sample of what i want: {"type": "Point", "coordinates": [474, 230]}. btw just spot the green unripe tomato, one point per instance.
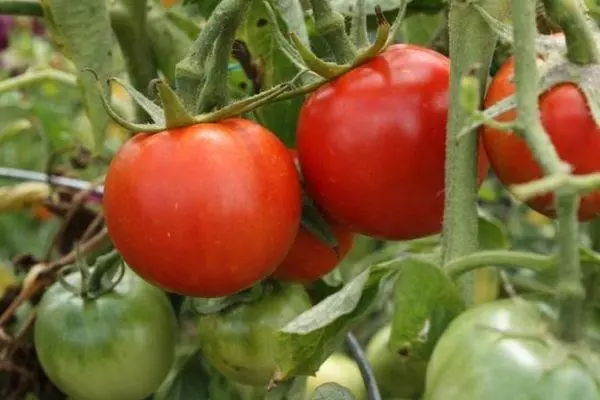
{"type": "Point", "coordinates": [118, 346]}
{"type": "Point", "coordinates": [397, 376]}
{"type": "Point", "coordinates": [241, 341]}
{"type": "Point", "coordinates": [341, 369]}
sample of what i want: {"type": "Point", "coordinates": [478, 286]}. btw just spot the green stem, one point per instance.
{"type": "Point", "coordinates": [129, 24]}
{"type": "Point", "coordinates": [472, 42]}
{"type": "Point", "coordinates": [581, 44]}
{"type": "Point", "coordinates": [190, 73]}
{"type": "Point", "coordinates": [215, 92]}
{"type": "Point", "coordinates": [359, 31]}
{"type": "Point", "coordinates": [594, 232]}
{"type": "Point", "coordinates": [104, 265]}
{"type": "Point", "coordinates": [31, 8]}
{"type": "Point", "coordinates": [516, 259]}
{"type": "Point", "coordinates": [570, 292]}
{"type": "Point", "coordinates": [330, 24]}
{"type": "Point", "coordinates": [32, 78]}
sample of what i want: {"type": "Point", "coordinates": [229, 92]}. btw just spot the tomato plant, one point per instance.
{"type": "Point", "coordinates": [371, 144]}
{"type": "Point", "coordinates": [513, 340]}
{"type": "Point", "coordinates": [119, 345]}
{"type": "Point", "coordinates": [163, 134]}
{"type": "Point", "coordinates": [241, 341]}
{"type": "Point", "coordinates": [566, 117]}
{"type": "Point", "coordinates": [228, 219]}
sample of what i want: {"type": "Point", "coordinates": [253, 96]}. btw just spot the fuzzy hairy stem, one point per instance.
{"type": "Point", "coordinates": [472, 42]}
{"type": "Point", "coordinates": [569, 15]}
{"type": "Point", "coordinates": [191, 73]}
{"type": "Point", "coordinates": [570, 291]}
{"type": "Point", "coordinates": [215, 92]}
{"type": "Point", "coordinates": [331, 26]}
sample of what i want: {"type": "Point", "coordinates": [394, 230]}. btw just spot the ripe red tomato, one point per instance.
{"type": "Point", "coordinates": [205, 210]}
{"type": "Point", "coordinates": [371, 144]}
{"type": "Point", "coordinates": [567, 119]}
{"type": "Point", "coordinates": [310, 258]}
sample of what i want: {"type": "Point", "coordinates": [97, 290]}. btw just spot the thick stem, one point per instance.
{"type": "Point", "coordinates": [570, 291]}
{"type": "Point", "coordinates": [215, 91]}
{"type": "Point", "coordinates": [129, 24]}
{"type": "Point", "coordinates": [359, 33]}
{"type": "Point", "coordinates": [569, 15]}
{"type": "Point", "coordinates": [190, 72]}
{"type": "Point", "coordinates": [31, 8]}
{"type": "Point", "coordinates": [472, 42]}
{"type": "Point", "coordinates": [331, 26]}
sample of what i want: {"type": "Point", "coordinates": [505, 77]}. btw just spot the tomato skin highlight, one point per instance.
{"type": "Point", "coordinates": [241, 341]}
{"type": "Point", "coordinates": [206, 210]}
{"type": "Point", "coordinates": [309, 258]}
{"type": "Point", "coordinates": [118, 346]}
{"type": "Point", "coordinates": [568, 121]}
{"type": "Point", "coordinates": [473, 360]}
{"type": "Point", "coordinates": [371, 144]}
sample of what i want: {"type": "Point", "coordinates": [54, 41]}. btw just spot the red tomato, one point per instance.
{"type": "Point", "coordinates": [309, 258]}
{"type": "Point", "coordinates": [372, 144]}
{"type": "Point", "coordinates": [567, 119]}
{"type": "Point", "coordinates": [206, 210]}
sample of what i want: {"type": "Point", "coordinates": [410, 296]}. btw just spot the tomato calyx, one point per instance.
{"type": "Point", "coordinates": [107, 273]}
{"type": "Point", "coordinates": [330, 70]}
{"type": "Point", "coordinates": [173, 113]}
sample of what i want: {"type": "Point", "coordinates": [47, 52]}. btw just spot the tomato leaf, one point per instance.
{"type": "Point", "coordinates": [259, 34]}
{"type": "Point", "coordinates": [425, 302]}
{"type": "Point", "coordinates": [492, 233]}
{"type": "Point", "coordinates": [420, 28]}
{"type": "Point", "coordinates": [332, 391]}
{"type": "Point", "coordinates": [70, 21]}
{"type": "Point", "coordinates": [313, 336]}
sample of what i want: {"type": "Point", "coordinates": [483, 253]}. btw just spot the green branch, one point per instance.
{"type": "Point", "coordinates": [570, 291]}
{"type": "Point", "coordinates": [331, 26]}
{"type": "Point", "coordinates": [497, 258]}
{"type": "Point", "coordinates": [472, 42]}
{"type": "Point", "coordinates": [581, 44]}
{"type": "Point", "coordinates": [32, 78]}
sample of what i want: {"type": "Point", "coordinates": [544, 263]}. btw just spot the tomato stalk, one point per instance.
{"type": "Point", "coordinates": [128, 20]}
{"type": "Point", "coordinates": [581, 44]}
{"type": "Point", "coordinates": [483, 259]}
{"type": "Point", "coordinates": [570, 291]}
{"type": "Point", "coordinates": [330, 24]}
{"type": "Point", "coordinates": [472, 43]}
{"type": "Point", "coordinates": [359, 31]}
{"type": "Point", "coordinates": [191, 75]}
{"type": "Point", "coordinates": [215, 91]}
{"type": "Point", "coordinates": [31, 8]}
